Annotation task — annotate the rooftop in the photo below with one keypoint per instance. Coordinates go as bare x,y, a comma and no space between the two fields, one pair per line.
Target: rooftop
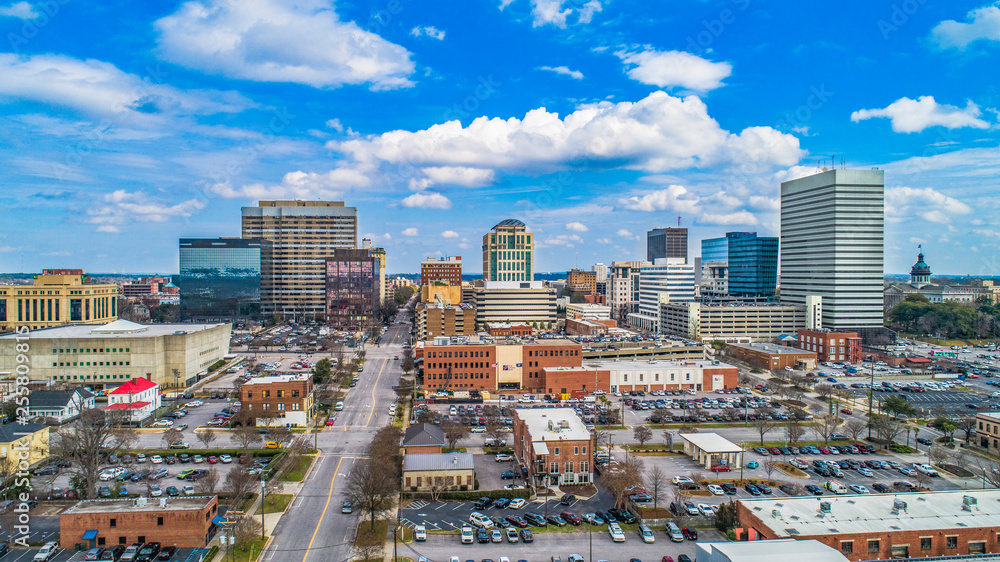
10,432
134,386
992,415
187,503
423,434
917,511
117,329
289,377
711,442
768,551
660,364
438,461
772,348
553,424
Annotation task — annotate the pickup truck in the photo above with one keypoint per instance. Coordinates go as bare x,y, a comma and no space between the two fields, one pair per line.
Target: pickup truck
925,469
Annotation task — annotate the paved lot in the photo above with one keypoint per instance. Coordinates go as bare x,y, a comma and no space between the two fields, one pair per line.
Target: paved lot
18,555
488,472
927,403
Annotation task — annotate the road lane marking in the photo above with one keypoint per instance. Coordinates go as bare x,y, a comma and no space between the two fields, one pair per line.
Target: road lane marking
374,388
329,496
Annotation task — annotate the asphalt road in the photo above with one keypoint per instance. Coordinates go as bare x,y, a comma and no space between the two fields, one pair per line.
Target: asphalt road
314,528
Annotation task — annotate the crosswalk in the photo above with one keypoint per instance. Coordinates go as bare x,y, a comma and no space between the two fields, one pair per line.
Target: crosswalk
77,557
419,504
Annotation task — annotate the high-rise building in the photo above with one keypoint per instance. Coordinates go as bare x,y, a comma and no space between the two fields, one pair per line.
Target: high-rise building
582,281
601,272
446,270
832,237
352,289
379,253
220,278
749,264
623,287
715,250
667,243
667,280
303,235
57,297
508,301
508,252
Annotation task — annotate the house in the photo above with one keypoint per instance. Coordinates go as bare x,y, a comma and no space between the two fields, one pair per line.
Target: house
139,397
60,405
19,442
441,471
423,438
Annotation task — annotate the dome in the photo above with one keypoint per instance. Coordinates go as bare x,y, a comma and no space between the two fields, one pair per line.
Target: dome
920,268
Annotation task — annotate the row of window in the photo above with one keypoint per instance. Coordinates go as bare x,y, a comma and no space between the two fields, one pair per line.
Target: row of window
95,350
279,393
90,377
687,377
553,353
450,354
280,406
435,377
576,451
554,467
926,543
91,364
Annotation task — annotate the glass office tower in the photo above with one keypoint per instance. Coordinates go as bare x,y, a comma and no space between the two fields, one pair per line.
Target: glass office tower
753,264
352,281
220,278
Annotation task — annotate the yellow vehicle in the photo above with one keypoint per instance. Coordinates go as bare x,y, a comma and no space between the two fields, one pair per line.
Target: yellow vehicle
272,445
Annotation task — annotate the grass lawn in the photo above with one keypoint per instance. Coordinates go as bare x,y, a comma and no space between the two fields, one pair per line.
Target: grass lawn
365,534
275,503
298,472
251,553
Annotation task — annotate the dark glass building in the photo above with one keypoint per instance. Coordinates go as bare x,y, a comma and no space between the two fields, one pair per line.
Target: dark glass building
220,278
352,289
667,243
753,264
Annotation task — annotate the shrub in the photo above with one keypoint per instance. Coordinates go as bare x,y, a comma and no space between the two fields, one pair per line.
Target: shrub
217,365
897,448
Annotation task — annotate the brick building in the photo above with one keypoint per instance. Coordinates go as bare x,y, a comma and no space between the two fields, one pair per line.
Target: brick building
422,438
279,400
441,471
988,431
831,346
773,357
879,526
625,376
509,330
587,327
184,522
582,281
553,444
494,365
446,270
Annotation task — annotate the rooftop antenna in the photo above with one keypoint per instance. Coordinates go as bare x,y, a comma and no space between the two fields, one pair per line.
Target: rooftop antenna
678,222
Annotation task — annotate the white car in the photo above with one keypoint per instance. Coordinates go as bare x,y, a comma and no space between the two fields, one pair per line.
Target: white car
865,471
716,489
517,503
859,489
514,487
615,530
926,469
47,552
163,423
225,459
468,537
189,490
478,429
155,491
504,457
677,480
705,509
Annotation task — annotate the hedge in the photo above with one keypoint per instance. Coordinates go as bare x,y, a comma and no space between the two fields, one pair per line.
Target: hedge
212,553
217,365
471,496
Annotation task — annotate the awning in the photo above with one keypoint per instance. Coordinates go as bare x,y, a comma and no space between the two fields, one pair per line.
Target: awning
540,447
90,535
217,521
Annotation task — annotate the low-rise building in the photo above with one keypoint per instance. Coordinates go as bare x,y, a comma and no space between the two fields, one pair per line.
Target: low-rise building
280,400
493,365
587,327
509,329
763,551
139,398
553,446
439,319
423,438
184,522
19,442
438,471
712,450
60,405
627,376
588,311
773,357
831,346
57,297
730,322
880,526
988,431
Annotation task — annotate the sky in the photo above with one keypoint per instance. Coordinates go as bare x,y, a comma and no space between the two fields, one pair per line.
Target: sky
127,125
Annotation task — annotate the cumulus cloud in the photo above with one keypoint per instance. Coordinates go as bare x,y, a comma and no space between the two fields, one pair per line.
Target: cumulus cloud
298,185
739,217
913,116
546,12
564,70
603,240
673,198
449,234
903,203
20,10
122,206
275,41
427,31
983,24
567,240
577,227
427,201
626,234
457,175
670,69
410,232
335,124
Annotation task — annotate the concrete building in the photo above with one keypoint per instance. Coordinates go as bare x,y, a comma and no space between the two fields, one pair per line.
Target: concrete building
880,526
446,270
668,280
667,243
711,449
493,365
380,255
57,297
18,442
509,252
600,272
139,398
60,405
507,301
509,330
585,327
832,238
553,446
580,281
438,471
439,292
352,290
303,235
988,431
627,376
280,400
920,284
156,290
220,278
730,322
773,357
184,522
106,356
714,280
438,319
588,311
617,351
623,287
767,551
831,346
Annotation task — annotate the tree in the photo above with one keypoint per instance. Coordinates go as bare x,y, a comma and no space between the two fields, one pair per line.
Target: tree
245,436
898,406
769,466
990,470
668,438
207,483
322,371
855,429
825,391
601,437
171,435
642,434
280,435
370,487
726,518
763,423
620,479
408,362
94,433
826,425
946,426
454,432
239,484
968,425
794,431
495,429
207,437
886,428
656,483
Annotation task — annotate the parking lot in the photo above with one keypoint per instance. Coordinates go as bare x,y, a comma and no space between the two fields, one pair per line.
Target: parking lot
17,555
930,402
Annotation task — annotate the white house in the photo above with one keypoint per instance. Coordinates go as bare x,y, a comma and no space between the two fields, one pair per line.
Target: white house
60,405
139,396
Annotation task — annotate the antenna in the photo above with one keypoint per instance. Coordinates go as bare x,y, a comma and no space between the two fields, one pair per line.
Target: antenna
678,222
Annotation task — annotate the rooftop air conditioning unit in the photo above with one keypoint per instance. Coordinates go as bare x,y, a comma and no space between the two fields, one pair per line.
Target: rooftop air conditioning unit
970,503
898,505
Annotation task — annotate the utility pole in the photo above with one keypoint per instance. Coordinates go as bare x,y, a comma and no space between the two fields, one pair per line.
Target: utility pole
262,498
871,394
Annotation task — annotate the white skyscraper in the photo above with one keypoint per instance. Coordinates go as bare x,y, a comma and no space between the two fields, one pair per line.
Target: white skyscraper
601,272
667,280
832,237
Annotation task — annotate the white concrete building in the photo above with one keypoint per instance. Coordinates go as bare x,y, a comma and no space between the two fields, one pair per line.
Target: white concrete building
140,397
587,311
667,280
623,287
515,301
601,272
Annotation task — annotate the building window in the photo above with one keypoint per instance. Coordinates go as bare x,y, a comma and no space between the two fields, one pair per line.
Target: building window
951,542
557,451
113,523
847,547
584,466
159,521
977,547
873,546
569,467
576,450
925,543
553,468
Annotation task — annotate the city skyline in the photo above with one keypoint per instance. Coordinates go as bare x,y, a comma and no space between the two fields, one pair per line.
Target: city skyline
591,122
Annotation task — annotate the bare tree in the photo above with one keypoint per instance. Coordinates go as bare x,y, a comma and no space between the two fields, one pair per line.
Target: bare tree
207,483
622,477
601,437
668,438
246,530
495,429
886,428
370,487
826,425
729,413
990,470
171,436
207,437
763,423
769,466
94,433
245,436
239,484
656,483
937,455
794,431
855,429
642,434
454,432
968,425
923,480
280,435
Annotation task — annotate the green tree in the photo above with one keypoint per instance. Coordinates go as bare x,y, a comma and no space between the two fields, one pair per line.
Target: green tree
898,406
323,371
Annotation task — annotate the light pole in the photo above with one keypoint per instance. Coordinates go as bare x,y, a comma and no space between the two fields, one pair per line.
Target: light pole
262,498
871,394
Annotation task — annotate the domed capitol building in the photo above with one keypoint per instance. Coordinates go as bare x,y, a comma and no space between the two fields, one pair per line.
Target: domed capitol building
920,284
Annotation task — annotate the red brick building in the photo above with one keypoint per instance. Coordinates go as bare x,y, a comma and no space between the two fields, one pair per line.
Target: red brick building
505,330
831,346
447,270
553,444
494,366
880,526
588,327
184,522
629,375
279,400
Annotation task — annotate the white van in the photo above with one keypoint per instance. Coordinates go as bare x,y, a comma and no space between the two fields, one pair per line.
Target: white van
615,530
836,487
339,406
467,535
675,532
646,533
480,520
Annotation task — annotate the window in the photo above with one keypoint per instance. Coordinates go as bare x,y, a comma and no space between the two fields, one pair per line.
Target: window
873,546
585,450
113,523
584,466
569,467
576,450
951,542
977,547
925,543
557,451
847,547
159,521
553,468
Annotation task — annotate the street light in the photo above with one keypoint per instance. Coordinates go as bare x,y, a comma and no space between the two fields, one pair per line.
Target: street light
871,395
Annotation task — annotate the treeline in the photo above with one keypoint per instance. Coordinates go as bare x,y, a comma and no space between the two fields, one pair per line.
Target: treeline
916,314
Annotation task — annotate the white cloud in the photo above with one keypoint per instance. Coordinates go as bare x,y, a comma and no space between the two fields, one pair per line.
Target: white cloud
564,70
673,198
577,227
449,234
427,201
20,10
903,203
669,69
428,31
658,133
410,232
274,41
739,217
603,240
457,175
913,116
335,124
984,24
546,12
626,234
123,206
298,185
568,240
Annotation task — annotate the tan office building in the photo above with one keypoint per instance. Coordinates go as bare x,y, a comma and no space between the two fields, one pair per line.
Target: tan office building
303,234
732,323
57,297
436,319
582,281
509,252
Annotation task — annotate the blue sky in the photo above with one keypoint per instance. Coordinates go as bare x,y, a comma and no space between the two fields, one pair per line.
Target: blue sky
127,125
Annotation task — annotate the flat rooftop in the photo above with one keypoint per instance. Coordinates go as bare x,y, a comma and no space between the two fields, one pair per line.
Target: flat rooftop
773,349
768,551
566,424
186,503
711,442
925,511
659,364
119,329
288,377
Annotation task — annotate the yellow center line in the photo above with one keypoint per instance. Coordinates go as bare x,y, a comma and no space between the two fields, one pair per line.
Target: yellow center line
329,496
374,388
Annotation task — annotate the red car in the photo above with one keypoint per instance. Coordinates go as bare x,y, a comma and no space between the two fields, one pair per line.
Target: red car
329,421
824,450
774,451
722,468
666,559
973,376
847,411
213,459
690,534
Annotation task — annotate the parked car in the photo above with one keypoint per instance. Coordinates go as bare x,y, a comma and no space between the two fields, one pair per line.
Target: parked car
166,553
690,534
